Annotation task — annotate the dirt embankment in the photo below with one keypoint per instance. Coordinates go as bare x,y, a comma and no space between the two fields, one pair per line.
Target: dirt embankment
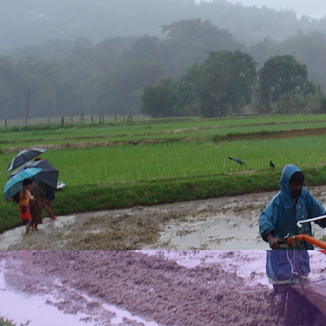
148,286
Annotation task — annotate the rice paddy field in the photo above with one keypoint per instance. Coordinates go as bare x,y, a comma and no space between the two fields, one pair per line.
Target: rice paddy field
147,152
152,150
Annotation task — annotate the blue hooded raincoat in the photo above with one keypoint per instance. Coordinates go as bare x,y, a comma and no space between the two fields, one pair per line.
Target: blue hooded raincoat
287,266
281,215
279,219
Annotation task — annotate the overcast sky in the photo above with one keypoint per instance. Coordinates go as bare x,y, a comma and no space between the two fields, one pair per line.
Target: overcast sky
312,8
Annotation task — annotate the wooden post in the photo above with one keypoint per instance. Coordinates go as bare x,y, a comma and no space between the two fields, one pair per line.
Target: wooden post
27,109
6,124
62,121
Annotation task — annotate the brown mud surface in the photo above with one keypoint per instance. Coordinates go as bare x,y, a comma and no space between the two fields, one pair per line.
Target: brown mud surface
152,287
139,227
229,223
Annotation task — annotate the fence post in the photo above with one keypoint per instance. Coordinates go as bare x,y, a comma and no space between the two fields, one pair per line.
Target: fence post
6,124
62,121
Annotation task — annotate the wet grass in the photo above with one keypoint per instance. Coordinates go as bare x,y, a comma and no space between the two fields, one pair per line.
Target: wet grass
6,322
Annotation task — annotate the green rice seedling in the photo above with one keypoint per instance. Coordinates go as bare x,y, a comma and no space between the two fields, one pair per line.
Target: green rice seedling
191,127
176,159
163,161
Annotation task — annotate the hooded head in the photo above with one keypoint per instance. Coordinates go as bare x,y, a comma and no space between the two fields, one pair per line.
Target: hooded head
292,179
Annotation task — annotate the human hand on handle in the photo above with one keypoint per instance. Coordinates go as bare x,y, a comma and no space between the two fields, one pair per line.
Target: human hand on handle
273,242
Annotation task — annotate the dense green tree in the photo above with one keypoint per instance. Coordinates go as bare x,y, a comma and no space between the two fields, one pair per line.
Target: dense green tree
160,101
187,102
224,83
282,79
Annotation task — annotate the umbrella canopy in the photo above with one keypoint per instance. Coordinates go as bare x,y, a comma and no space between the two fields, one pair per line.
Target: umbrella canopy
15,184
47,179
24,156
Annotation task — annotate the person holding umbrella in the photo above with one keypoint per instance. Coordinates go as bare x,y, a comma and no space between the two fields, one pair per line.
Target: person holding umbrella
48,196
37,208
25,201
47,180
17,188
47,205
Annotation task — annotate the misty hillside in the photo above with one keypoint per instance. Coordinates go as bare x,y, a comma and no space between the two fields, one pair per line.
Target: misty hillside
34,22
72,57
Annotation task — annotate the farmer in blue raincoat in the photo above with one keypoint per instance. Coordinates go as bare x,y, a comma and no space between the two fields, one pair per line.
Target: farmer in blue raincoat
292,204
279,219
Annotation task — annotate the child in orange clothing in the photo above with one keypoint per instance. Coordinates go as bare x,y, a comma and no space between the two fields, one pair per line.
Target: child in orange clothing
25,201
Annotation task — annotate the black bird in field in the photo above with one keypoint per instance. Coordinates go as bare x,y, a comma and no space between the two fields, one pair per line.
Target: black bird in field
271,164
236,160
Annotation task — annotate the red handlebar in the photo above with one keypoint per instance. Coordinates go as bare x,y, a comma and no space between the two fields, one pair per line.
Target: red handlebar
308,238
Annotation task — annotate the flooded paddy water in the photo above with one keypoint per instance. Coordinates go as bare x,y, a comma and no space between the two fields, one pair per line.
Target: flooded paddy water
229,223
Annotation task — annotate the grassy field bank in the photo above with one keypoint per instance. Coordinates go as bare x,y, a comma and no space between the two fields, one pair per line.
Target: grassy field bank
152,162
5,322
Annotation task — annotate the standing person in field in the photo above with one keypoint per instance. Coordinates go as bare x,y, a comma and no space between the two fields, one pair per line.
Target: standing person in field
37,208
278,220
290,205
48,199
47,205
25,201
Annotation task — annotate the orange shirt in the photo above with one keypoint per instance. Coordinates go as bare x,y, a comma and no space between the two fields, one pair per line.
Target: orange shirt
24,197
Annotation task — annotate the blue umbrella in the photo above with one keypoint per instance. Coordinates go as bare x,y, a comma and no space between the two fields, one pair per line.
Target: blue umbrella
15,184
47,179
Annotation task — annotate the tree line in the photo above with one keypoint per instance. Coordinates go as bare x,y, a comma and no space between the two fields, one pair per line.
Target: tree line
118,75
226,82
